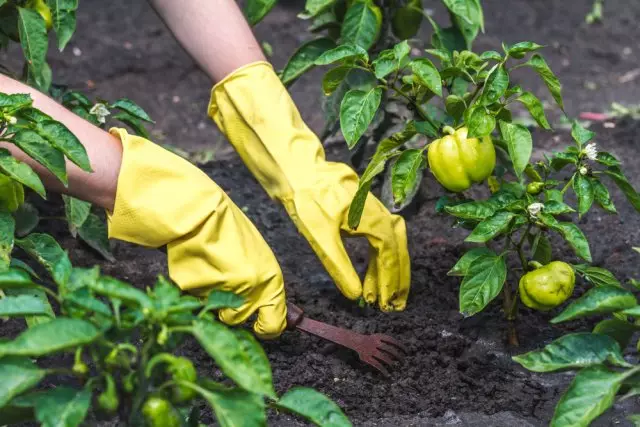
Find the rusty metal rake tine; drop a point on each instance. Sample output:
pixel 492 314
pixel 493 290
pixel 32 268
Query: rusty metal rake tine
pixel 383 357
pixel 376 364
pixel 390 350
pixel 388 340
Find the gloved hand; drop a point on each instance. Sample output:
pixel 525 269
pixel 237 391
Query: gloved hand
pixel 254 110
pixel 162 199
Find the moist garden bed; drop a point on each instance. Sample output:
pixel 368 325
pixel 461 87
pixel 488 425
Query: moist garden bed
pixel 457 368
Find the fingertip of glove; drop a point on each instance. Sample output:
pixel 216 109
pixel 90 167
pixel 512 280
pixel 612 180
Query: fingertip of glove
pixel 269 331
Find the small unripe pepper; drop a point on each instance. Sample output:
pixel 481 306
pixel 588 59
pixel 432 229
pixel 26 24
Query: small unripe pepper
pixel 159 412
pixel 535 187
pixel 548 286
pixel 458 161
pixel 181 369
pixel 407 19
pixel 108 400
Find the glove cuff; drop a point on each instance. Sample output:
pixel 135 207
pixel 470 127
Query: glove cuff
pixel 253 109
pixel 160 196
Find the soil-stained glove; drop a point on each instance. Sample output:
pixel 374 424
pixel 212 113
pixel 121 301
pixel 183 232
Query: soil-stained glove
pixel 164 200
pixel 254 110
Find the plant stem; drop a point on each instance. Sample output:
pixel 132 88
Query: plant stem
pixel 567 185
pixel 419 109
pixel 141 391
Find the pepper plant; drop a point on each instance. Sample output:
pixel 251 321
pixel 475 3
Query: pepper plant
pixel 603 375
pixel 123 343
pixel 448 109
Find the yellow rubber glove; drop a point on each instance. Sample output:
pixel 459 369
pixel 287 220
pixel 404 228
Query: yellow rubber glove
pixel 254 110
pixel 164 200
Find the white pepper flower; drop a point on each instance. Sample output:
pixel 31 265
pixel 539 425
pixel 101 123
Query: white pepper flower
pixel 584 170
pixel 12 120
pixel 535 208
pixel 591 151
pixel 100 111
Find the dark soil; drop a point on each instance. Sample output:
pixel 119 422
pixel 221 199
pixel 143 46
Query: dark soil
pixel 458 371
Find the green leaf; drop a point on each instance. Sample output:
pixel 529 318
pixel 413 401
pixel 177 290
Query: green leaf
pixel 617 329
pixel 257 358
pixel 313 406
pixel 229 354
pixel 405 173
pixel 476 211
pixel 60 406
pixel 77 211
pixel 94 233
pixel 573 351
pixel 21 265
pixel 15 278
pixel 557 208
pixel 223 299
pixel 232 406
pixel 66 142
pixel 496 85
pixel 384 64
pixel 360 25
pixel 535 108
pixel 57 335
pixel 387 148
pixel 334 78
pixel 560 160
pixel 34 41
pixel 83 299
pixel 356 113
pixel 315 7
pixel 542 252
pixel 42 152
pixel 602 197
pixel 455 107
pixel 519 50
pixel 341 53
pixel 615 173
pixel 18 375
pixel 63 14
pixel 44 249
pixel 33 320
pixel 538 63
pixel 571 233
pixel 480 122
pixel 519 144
pixel 483 282
pixel 27 218
pixel 468 10
pixel 580 134
pixel 598 300
pixel 490 227
pixel 591 392
pixel 136 125
pixel 21 172
pixel 607 159
pixel 427 74
pixel 635 419
pixel 15 101
pixel 7 230
pixel 584 191
pixel 462 266
pixel 132 108
pixel 255 10
pixel 598 276
pixel 304 59
pixel 23 305
pixel 123 291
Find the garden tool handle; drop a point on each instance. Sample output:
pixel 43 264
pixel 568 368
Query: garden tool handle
pixel 294 316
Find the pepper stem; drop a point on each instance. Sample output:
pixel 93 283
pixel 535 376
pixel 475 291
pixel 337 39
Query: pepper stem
pixel 448 130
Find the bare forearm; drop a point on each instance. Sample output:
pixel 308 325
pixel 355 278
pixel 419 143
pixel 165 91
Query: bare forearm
pixel 103 149
pixel 214 32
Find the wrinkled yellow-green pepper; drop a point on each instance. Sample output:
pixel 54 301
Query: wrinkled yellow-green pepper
pixel 548 286
pixel 457 161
